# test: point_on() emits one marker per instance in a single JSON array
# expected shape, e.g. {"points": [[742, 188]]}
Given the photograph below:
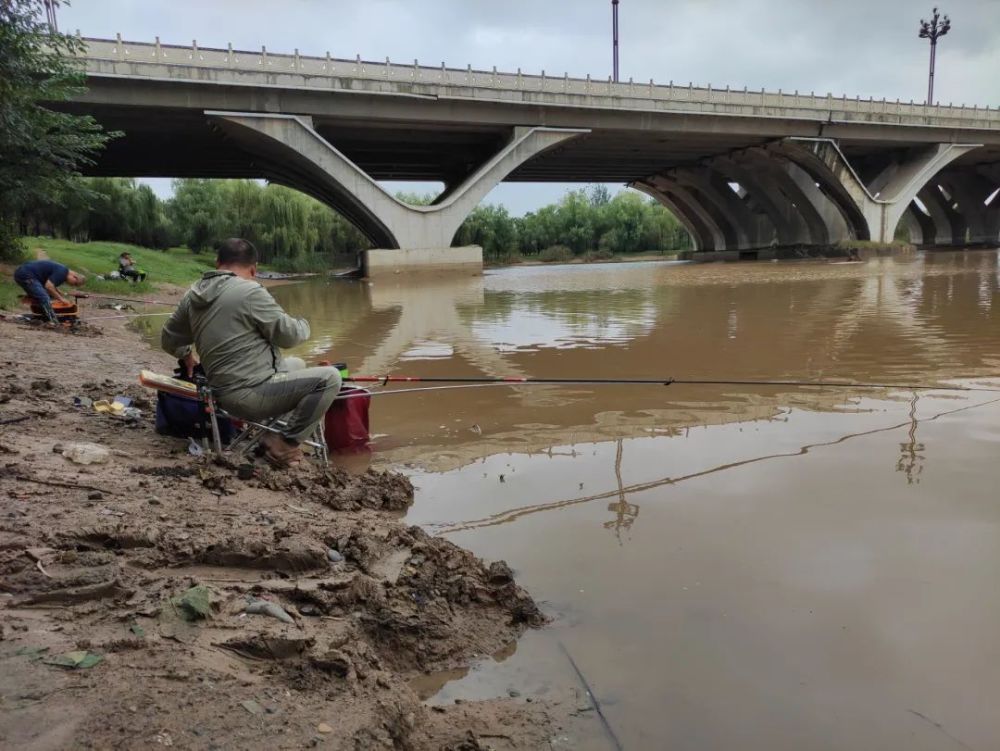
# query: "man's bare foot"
{"points": [[280, 452]]}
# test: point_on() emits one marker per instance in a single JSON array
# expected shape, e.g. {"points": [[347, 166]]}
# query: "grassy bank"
{"points": [[174, 266], [873, 246], [559, 255]]}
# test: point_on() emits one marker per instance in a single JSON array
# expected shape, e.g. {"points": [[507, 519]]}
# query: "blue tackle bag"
{"points": [[181, 417]]}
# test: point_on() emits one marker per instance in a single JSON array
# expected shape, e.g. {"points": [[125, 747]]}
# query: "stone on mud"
{"points": [[194, 604], [86, 453]]}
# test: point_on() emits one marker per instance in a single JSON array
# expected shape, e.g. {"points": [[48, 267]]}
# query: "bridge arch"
{"points": [[834, 178], [293, 153], [704, 234]]}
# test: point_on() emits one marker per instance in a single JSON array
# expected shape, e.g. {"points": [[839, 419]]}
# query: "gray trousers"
{"points": [[305, 393]]}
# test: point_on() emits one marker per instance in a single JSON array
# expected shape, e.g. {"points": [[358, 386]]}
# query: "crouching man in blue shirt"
{"points": [[41, 279]]}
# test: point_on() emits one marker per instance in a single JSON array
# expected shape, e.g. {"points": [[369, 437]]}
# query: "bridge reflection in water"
{"points": [[928, 319]]}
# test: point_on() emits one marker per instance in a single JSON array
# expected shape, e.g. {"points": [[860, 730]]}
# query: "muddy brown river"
{"points": [[728, 567]]}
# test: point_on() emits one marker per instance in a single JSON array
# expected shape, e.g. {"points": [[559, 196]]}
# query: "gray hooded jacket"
{"points": [[237, 328]]}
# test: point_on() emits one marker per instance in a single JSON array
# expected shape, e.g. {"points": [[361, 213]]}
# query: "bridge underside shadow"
{"points": [[731, 192], [802, 193]]}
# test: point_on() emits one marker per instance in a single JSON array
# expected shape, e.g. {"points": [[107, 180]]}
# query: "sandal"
{"points": [[279, 453]]}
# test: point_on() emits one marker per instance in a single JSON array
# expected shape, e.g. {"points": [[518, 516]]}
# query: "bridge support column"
{"points": [[869, 216], [750, 229], [917, 225], [790, 228], [706, 234], [799, 195], [948, 225], [293, 153], [969, 191]]}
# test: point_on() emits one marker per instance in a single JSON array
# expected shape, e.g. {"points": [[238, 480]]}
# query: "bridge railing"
{"points": [[328, 72]]}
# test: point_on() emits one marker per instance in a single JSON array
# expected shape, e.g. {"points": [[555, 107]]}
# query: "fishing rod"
{"points": [[529, 381], [85, 295], [127, 315]]}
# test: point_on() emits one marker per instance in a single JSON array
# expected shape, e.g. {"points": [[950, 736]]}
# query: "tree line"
{"points": [[295, 232], [41, 149]]}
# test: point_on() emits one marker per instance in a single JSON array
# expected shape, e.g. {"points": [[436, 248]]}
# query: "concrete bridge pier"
{"points": [[798, 192], [748, 228], [706, 233], [407, 237], [874, 209], [968, 192], [833, 192], [946, 225], [762, 193], [799, 199]]}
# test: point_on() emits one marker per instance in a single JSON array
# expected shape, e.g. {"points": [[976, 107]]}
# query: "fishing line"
{"points": [[85, 295], [125, 315], [593, 699], [387, 392], [529, 381]]}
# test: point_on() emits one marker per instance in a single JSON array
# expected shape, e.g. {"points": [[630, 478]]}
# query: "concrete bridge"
{"points": [[742, 170]]}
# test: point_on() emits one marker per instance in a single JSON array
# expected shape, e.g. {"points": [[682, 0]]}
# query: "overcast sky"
{"points": [[866, 47]]}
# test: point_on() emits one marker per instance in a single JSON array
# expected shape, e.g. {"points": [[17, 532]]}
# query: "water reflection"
{"points": [[810, 567], [930, 318], [911, 460], [625, 513]]}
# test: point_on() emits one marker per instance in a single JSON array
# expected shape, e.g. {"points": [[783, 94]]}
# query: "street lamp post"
{"points": [[937, 27], [50, 14], [614, 38]]}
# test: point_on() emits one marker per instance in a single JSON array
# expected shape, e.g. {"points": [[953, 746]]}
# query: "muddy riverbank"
{"points": [[145, 565]]}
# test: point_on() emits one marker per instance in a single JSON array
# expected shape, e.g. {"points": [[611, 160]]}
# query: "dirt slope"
{"points": [[151, 559]]}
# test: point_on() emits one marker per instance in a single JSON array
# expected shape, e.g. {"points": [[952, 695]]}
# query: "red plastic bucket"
{"points": [[346, 422]]}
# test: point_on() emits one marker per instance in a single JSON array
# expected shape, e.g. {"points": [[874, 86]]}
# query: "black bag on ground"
{"points": [[181, 417]]}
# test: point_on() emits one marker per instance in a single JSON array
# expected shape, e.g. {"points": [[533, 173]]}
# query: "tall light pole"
{"points": [[50, 14], [934, 29], [614, 38]]}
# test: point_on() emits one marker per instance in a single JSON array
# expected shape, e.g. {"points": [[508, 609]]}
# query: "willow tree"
{"points": [[41, 149]]}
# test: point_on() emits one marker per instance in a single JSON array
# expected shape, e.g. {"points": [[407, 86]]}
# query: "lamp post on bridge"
{"points": [[937, 27], [614, 39], [50, 14]]}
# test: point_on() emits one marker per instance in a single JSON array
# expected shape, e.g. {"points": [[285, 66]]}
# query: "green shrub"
{"points": [[556, 254], [10, 295], [12, 248], [602, 254]]}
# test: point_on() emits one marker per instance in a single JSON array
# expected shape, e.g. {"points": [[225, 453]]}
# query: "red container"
{"points": [[65, 311], [346, 423]]}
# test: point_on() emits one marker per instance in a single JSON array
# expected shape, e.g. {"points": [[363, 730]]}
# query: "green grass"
{"points": [[10, 295], [174, 266]]}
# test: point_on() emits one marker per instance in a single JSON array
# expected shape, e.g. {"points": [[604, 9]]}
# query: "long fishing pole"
{"points": [[528, 381], [85, 295], [127, 315]]}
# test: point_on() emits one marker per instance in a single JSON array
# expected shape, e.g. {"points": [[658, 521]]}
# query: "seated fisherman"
{"points": [[237, 329], [40, 280], [126, 267]]}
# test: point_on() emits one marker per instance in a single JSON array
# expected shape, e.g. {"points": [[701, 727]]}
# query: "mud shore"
{"points": [[125, 585]]}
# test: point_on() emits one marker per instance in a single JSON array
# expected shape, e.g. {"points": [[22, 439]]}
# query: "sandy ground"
{"points": [[150, 560]]}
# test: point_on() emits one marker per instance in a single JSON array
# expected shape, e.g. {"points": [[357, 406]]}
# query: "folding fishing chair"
{"points": [[253, 432]]}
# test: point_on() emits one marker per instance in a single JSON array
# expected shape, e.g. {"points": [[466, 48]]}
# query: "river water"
{"points": [[728, 567]]}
